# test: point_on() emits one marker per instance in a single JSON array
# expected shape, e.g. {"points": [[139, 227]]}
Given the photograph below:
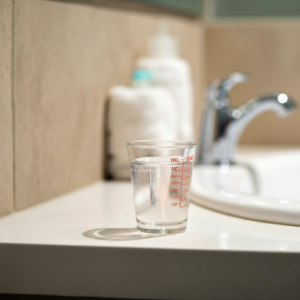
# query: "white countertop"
{"points": [[63, 221], [50, 241]]}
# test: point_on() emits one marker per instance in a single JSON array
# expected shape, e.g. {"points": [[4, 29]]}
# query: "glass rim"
{"points": [[177, 144]]}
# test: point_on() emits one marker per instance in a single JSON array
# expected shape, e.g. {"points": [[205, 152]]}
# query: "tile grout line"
{"points": [[13, 105]]}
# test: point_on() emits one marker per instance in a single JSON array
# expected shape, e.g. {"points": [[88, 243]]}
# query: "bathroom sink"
{"points": [[264, 185]]}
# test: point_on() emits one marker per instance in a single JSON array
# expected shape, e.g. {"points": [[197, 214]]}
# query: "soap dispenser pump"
{"points": [[163, 45]]}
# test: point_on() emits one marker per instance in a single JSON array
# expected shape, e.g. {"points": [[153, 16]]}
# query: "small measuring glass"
{"points": [[161, 173]]}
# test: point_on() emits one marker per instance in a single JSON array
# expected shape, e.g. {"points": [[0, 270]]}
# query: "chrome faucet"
{"points": [[223, 125]]}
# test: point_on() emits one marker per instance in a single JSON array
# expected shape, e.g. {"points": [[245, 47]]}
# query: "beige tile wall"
{"points": [[270, 53], [58, 92], [6, 136], [66, 58]]}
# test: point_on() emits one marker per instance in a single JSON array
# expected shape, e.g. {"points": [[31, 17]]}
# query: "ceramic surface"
{"points": [[232, 190]]}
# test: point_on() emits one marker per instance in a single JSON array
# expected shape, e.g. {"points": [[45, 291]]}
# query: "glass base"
{"points": [[162, 227]]}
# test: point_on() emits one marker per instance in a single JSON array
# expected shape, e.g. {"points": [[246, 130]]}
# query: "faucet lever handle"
{"points": [[226, 84]]}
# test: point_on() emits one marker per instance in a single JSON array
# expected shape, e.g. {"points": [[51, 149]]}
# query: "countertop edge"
{"points": [[144, 273]]}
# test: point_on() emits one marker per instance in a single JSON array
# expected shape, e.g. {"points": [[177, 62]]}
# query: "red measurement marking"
{"points": [[181, 183], [190, 157], [183, 160], [175, 182], [175, 176]]}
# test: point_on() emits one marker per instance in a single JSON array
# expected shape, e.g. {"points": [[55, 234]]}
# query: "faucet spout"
{"points": [[237, 120], [222, 125]]}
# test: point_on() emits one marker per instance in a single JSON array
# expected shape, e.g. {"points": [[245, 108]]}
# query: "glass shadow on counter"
{"points": [[118, 234]]}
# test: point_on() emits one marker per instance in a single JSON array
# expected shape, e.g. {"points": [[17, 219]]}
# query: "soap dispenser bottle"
{"points": [[173, 73]]}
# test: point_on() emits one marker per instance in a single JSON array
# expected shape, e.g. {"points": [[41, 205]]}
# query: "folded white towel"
{"points": [[137, 114]]}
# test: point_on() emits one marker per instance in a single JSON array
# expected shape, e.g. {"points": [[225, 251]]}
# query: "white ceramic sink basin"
{"points": [[231, 190]]}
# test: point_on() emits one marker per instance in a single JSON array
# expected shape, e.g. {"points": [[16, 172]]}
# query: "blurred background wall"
{"points": [[58, 62], [59, 58], [259, 37], [269, 52]]}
